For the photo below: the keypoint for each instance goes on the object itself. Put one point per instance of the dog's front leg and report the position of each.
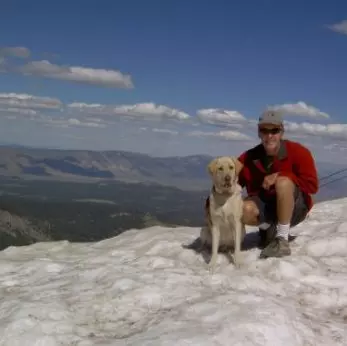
(215, 232)
(238, 242)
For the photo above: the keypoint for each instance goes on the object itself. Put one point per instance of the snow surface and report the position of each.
(143, 288)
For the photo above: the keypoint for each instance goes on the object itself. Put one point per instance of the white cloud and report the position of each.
(77, 122)
(227, 135)
(46, 69)
(165, 131)
(339, 27)
(14, 100)
(217, 116)
(301, 109)
(83, 119)
(19, 52)
(337, 131)
(61, 122)
(33, 107)
(103, 77)
(140, 110)
(234, 136)
(335, 147)
(19, 111)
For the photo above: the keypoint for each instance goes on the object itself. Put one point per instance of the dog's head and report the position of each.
(224, 172)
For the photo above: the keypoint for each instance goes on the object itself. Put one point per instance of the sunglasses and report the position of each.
(273, 131)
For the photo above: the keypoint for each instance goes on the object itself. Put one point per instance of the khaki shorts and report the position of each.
(268, 209)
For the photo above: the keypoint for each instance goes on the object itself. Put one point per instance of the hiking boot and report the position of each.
(266, 236)
(278, 247)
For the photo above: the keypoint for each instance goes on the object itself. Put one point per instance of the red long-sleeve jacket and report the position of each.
(293, 161)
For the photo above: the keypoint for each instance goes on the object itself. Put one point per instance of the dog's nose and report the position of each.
(227, 177)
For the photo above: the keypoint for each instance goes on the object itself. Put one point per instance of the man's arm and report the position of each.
(305, 172)
(242, 159)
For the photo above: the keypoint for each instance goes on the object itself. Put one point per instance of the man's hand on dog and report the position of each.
(269, 181)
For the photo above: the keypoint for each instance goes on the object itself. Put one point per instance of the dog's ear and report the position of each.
(238, 165)
(212, 166)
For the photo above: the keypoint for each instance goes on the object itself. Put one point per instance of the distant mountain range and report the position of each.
(85, 165)
(188, 172)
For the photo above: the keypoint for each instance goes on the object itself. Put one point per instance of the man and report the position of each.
(280, 176)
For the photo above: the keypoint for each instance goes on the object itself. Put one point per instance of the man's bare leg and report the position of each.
(279, 247)
(285, 205)
(250, 213)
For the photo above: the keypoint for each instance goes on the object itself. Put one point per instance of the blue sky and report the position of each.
(228, 60)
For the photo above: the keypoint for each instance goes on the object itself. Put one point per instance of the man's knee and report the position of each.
(284, 184)
(250, 213)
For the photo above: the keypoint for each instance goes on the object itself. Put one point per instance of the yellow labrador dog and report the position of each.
(224, 227)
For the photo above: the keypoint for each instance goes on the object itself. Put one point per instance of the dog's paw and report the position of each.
(238, 265)
(238, 260)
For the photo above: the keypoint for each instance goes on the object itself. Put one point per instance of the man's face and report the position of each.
(270, 136)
